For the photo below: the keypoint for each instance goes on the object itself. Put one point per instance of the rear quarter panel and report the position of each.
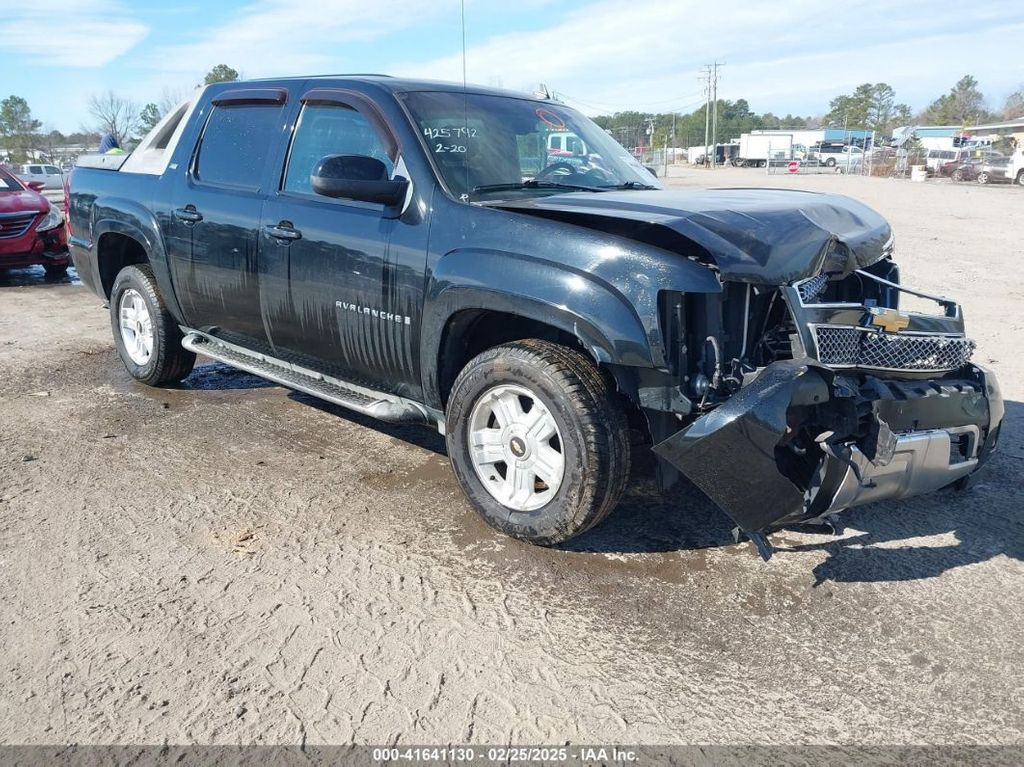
(107, 201)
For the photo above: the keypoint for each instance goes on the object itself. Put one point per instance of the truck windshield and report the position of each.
(491, 147)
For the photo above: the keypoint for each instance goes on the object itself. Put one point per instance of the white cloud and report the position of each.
(282, 37)
(794, 56)
(73, 33)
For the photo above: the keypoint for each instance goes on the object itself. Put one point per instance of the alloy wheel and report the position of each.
(516, 447)
(136, 325)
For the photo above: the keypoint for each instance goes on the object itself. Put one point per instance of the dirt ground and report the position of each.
(230, 563)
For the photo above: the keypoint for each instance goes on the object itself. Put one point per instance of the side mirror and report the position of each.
(356, 177)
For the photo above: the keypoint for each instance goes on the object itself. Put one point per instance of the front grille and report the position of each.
(854, 347)
(15, 224)
(811, 288)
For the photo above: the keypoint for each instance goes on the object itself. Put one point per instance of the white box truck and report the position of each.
(756, 151)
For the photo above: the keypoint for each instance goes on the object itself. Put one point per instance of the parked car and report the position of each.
(838, 155)
(50, 175)
(373, 242)
(946, 162)
(992, 170)
(1015, 168)
(31, 228)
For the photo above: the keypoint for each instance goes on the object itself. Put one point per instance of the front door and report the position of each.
(342, 284)
(215, 217)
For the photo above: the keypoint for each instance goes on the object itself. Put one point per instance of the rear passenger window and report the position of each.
(235, 143)
(329, 129)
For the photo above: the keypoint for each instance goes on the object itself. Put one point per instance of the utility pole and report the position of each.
(714, 119)
(673, 139)
(707, 113)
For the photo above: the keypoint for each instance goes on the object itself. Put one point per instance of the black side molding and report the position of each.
(251, 96)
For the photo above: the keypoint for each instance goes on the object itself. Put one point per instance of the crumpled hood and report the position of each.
(762, 236)
(23, 201)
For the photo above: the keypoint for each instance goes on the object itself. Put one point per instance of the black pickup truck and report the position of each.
(415, 252)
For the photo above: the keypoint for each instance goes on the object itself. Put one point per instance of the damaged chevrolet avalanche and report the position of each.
(498, 267)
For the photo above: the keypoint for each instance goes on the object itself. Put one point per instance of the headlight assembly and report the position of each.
(51, 220)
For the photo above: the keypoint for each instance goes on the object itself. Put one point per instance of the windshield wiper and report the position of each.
(538, 185)
(633, 185)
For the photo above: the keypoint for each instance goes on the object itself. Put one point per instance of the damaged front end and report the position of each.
(842, 400)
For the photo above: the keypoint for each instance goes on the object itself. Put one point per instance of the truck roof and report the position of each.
(389, 83)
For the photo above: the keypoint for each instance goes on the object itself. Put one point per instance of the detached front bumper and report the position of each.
(802, 441)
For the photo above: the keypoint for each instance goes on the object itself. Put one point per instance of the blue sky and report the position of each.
(602, 55)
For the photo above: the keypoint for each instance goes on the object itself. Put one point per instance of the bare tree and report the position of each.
(114, 114)
(170, 98)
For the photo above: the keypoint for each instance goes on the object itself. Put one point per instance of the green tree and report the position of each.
(871, 106)
(734, 118)
(901, 116)
(963, 105)
(17, 127)
(51, 139)
(148, 118)
(221, 73)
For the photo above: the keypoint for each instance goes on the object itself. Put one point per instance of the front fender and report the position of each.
(131, 219)
(575, 302)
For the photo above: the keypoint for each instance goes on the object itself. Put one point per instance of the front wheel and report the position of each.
(1020, 177)
(983, 178)
(958, 175)
(147, 338)
(538, 439)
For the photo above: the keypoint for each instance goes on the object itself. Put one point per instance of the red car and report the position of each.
(31, 229)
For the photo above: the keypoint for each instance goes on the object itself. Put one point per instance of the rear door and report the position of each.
(54, 177)
(343, 283)
(215, 215)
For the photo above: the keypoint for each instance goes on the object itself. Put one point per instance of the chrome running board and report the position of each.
(386, 407)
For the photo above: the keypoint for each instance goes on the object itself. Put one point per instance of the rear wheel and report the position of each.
(958, 175)
(146, 336)
(538, 440)
(1020, 177)
(983, 178)
(831, 162)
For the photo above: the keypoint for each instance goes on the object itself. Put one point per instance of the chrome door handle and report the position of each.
(283, 231)
(188, 214)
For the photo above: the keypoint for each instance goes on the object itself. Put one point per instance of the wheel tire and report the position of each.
(958, 175)
(593, 437)
(983, 178)
(54, 272)
(831, 162)
(1020, 177)
(168, 362)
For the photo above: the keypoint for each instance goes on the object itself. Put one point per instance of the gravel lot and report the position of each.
(228, 562)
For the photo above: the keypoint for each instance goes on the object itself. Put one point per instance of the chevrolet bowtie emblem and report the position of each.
(890, 320)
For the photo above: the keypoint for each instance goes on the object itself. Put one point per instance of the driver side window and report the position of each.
(325, 129)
